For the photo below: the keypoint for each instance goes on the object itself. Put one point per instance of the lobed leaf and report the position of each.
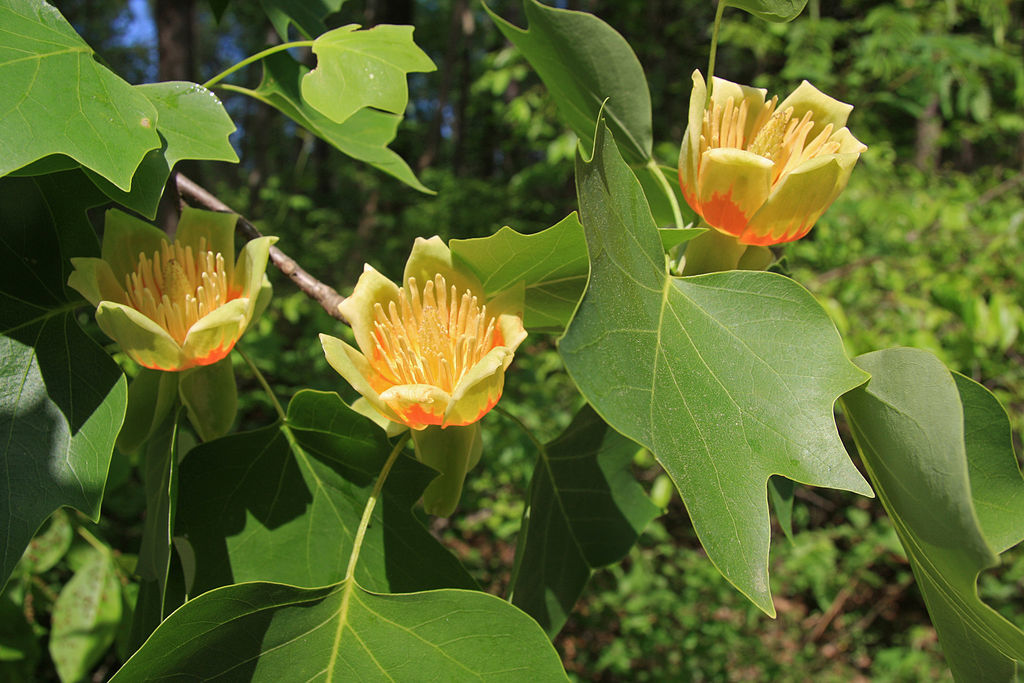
(728, 378)
(938, 449)
(272, 632)
(776, 11)
(308, 15)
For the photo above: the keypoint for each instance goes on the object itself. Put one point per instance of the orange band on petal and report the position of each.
(724, 215)
(215, 355)
(418, 418)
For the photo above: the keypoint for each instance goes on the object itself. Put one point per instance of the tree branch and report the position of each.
(323, 294)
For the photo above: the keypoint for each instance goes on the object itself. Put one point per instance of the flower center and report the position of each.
(175, 288)
(774, 135)
(434, 338)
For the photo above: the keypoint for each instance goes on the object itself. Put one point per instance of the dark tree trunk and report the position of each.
(175, 21)
(929, 128)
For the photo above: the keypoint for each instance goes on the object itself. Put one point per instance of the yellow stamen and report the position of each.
(774, 135)
(431, 337)
(175, 288)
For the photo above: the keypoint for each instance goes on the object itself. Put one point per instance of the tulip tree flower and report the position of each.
(173, 305)
(178, 307)
(432, 358)
(763, 171)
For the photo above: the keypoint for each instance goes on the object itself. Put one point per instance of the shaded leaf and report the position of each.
(937, 448)
(85, 617)
(79, 118)
(62, 399)
(778, 11)
(271, 632)
(251, 496)
(363, 68)
(585, 511)
(307, 15)
(583, 61)
(364, 136)
(49, 546)
(728, 378)
(551, 263)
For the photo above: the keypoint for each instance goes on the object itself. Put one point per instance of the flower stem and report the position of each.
(263, 382)
(255, 58)
(677, 215)
(364, 523)
(522, 426)
(714, 50)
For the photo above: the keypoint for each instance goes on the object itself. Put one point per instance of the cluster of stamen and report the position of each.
(433, 338)
(176, 287)
(775, 135)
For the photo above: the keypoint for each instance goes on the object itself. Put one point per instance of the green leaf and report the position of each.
(210, 397)
(270, 632)
(671, 237)
(551, 263)
(151, 395)
(250, 495)
(777, 11)
(728, 378)
(192, 125)
(938, 450)
(307, 15)
(62, 399)
(780, 492)
(661, 209)
(79, 118)
(585, 511)
(364, 136)
(49, 546)
(85, 617)
(357, 69)
(583, 61)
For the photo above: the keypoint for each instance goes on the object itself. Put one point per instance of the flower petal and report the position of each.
(796, 204)
(250, 271)
(432, 256)
(722, 90)
(451, 451)
(366, 409)
(479, 389)
(371, 288)
(93, 279)
(355, 369)
(124, 238)
(825, 109)
(143, 340)
(732, 186)
(214, 335)
(417, 405)
(217, 228)
(689, 151)
(507, 307)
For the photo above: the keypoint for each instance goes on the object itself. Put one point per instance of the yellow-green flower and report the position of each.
(433, 351)
(762, 171)
(432, 357)
(173, 305)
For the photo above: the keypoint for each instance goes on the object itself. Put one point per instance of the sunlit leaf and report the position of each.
(585, 511)
(62, 399)
(778, 11)
(938, 450)
(363, 68)
(93, 105)
(251, 496)
(85, 617)
(364, 136)
(551, 263)
(583, 61)
(272, 632)
(728, 378)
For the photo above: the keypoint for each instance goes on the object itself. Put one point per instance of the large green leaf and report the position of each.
(62, 399)
(192, 124)
(271, 632)
(57, 99)
(251, 496)
(583, 61)
(938, 450)
(778, 11)
(307, 15)
(728, 378)
(364, 136)
(367, 68)
(551, 263)
(585, 511)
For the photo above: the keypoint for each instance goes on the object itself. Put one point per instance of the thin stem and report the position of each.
(92, 540)
(522, 425)
(714, 50)
(263, 382)
(364, 523)
(677, 215)
(255, 58)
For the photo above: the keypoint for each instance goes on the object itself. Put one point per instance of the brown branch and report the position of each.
(323, 294)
